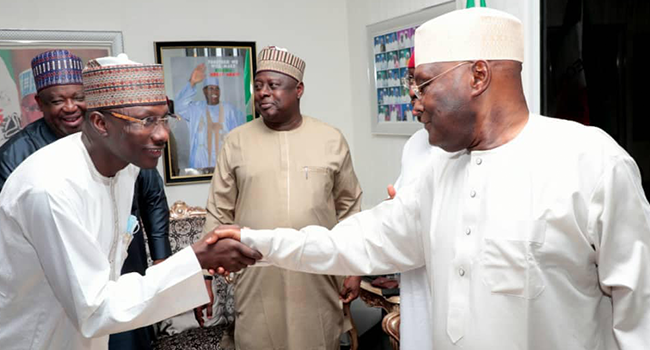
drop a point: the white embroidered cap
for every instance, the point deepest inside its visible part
(470, 34)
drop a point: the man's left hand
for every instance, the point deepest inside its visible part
(198, 311)
(351, 288)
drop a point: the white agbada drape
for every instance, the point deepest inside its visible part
(63, 239)
(542, 243)
(415, 294)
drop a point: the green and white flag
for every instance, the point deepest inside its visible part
(248, 87)
(472, 3)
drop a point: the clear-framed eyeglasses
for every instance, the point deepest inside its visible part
(148, 123)
(417, 89)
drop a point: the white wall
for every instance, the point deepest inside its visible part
(314, 30)
(377, 157)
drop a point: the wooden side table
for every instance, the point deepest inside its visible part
(373, 297)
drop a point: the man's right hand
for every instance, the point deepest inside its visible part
(227, 253)
(198, 74)
(223, 232)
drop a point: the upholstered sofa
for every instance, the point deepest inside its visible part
(182, 331)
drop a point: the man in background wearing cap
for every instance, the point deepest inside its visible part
(285, 170)
(535, 232)
(66, 224)
(60, 96)
(210, 120)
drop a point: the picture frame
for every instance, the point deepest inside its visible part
(18, 107)
(210, 87)
(390, 46)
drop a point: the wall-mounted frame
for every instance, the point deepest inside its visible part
(210, 85)
(390, 47)
(17, 48)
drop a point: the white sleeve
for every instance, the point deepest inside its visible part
(405, 150)
(385, 239)
(78, 272)
(619, 221)
(183, 101)
(415, 155)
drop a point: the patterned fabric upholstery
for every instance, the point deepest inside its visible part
(182, 331)
(195, 339)
(184, 232)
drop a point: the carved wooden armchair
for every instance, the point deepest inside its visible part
(182, 331)
(374, 297)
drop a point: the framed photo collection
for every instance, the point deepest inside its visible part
(392, 45)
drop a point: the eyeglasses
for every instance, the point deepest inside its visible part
(417, 88)
(148, 123)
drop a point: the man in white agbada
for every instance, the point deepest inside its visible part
(65, 225)
(415, 321)
(535, 232)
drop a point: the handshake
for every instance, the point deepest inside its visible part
(221, 251)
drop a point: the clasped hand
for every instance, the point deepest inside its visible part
(221, 250)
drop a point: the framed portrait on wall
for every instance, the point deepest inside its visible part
(210, 85)
(391, 47)
(18, 106)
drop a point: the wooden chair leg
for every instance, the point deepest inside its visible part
(390, 325)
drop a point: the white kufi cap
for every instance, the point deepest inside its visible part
(477, 33)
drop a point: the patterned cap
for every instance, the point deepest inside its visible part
(26, 82)
(280, 60)
(476, 33)
(56, 67)
(112, 82)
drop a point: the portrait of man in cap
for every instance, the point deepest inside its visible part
(9, 104)
(29, 109)
(209, 120)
